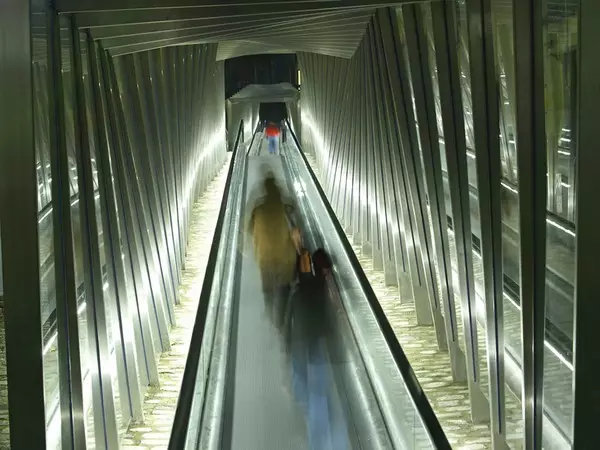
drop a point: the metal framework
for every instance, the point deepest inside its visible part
(434, 153)
(456, 141)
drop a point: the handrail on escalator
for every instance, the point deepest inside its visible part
(416, 392)
(186, 394)
(253, 136)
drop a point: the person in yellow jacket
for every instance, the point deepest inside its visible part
(275, 248)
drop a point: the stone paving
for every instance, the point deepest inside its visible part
(160, 402)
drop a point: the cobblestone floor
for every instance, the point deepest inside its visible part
(160, 402)
(450, 400)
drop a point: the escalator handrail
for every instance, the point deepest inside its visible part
(253, 136)
(421, 402)
(188, 383)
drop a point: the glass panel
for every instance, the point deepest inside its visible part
(560, 69)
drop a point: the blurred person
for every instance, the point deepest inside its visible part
(283, 132)
(275, 248)
(307, 331)
(272, 134)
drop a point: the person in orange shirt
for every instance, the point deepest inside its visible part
(272, 133)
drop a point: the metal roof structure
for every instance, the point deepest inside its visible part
(327, 27)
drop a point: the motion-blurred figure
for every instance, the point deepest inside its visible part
(274, 249)
(272, 133)
(307, 330)
(283, 132)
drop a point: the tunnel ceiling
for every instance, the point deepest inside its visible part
(329, 27)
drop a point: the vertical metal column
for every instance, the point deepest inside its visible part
(531, 166)
(150, 111)
(485, 94)
(385, 165)
(398, 79)
(145, 329)
(147, 255)
(446, 43)
(130, 396)
(105, 425)
(418, 53)
(152, 195)
(69, 354)
(18, 209)
(587, 307)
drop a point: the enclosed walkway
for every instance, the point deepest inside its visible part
(443, 152)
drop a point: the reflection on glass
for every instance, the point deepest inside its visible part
(560, 69)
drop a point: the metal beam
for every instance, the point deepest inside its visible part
(19, 212)
(531, 166)
(215, 23)
(486, 120)
(147, 16)
(69, 351)
(587, 307)
(112, 6)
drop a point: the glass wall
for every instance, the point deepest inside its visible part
(123, 148)
(560, 69)
(453, 77)
(560, 40)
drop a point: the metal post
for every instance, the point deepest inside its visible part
(69, 354)
(418, 52)
(404, 116)
(18, 209)
(531, 166)
(129, 389)
(105, 425)
(587, 307)
(485, 94)
(444, 31)
(145, 329)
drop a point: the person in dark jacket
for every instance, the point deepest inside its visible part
(308, 330)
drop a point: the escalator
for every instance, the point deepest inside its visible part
(241, 387)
